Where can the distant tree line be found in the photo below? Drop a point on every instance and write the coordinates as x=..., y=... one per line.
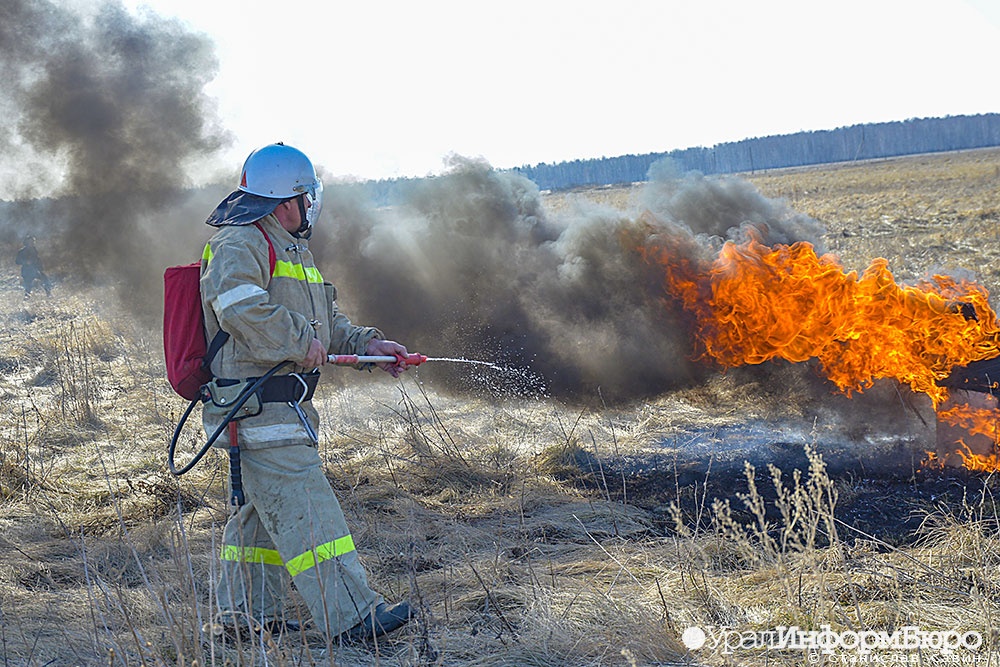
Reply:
x=845, y=144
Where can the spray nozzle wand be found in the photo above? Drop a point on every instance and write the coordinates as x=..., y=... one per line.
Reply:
x=351, y=359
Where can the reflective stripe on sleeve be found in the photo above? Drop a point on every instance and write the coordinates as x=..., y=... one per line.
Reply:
x=237, y=294
x=310, y=559
x=207, y=253
x=283, y=269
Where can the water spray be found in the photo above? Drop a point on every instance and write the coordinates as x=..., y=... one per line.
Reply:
x=507, y=377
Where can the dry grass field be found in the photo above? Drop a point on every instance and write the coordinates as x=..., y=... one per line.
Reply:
x=527, y=531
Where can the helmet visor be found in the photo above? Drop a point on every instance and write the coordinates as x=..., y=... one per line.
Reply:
x=314, y=193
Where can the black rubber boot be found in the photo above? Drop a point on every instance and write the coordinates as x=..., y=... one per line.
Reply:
x=383, y=620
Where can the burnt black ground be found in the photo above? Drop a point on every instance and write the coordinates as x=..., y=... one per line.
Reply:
x=874, y=500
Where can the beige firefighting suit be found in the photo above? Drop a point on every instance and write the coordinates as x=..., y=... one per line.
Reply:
x=291, y=523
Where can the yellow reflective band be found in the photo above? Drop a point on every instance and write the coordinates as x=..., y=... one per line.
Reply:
x=323, y=552
x=250, y=555
x=283, y=269
x=206, y=254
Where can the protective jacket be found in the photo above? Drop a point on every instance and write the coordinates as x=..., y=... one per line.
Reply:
x=271, y=317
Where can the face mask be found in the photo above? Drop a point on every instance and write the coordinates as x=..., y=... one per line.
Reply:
x=316, y=203
x=310, y=215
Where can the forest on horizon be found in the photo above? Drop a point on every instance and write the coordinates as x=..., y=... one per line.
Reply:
x=845, y=144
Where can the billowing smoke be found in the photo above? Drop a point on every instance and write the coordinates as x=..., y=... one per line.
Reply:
x=472, y=265
x=114, y=104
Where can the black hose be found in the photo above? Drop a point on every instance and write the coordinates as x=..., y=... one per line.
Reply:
x=243, y=398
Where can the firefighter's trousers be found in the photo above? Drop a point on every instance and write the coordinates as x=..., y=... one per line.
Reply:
x=291, y=526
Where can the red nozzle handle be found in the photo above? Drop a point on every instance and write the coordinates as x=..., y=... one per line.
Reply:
x=412, y=359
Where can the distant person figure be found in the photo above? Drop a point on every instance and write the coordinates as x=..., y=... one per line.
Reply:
x=31, y=268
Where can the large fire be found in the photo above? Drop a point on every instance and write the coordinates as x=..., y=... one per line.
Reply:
x=754, y=303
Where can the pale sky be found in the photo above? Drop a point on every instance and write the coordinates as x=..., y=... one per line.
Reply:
x=391, y=88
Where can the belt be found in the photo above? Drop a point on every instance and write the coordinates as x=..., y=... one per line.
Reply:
x=281, y=388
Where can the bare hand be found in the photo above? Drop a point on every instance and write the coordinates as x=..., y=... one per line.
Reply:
x=378, y=347
x=316, y=356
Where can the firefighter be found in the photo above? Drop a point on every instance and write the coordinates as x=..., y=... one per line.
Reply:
x=31, y=268
x=290, y=525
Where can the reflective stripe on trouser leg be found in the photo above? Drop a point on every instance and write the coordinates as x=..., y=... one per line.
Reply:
x=300, y=512
x=253, y=578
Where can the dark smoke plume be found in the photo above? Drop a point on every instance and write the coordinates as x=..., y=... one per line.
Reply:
x=473, y=266
x=116, y=104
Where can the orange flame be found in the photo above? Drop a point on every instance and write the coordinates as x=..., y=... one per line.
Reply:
x=977, y=421
x=988, y=462
x=982, y=452
x=754, y=303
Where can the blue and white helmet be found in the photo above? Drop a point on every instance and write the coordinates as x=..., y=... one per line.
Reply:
x=271, y=175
